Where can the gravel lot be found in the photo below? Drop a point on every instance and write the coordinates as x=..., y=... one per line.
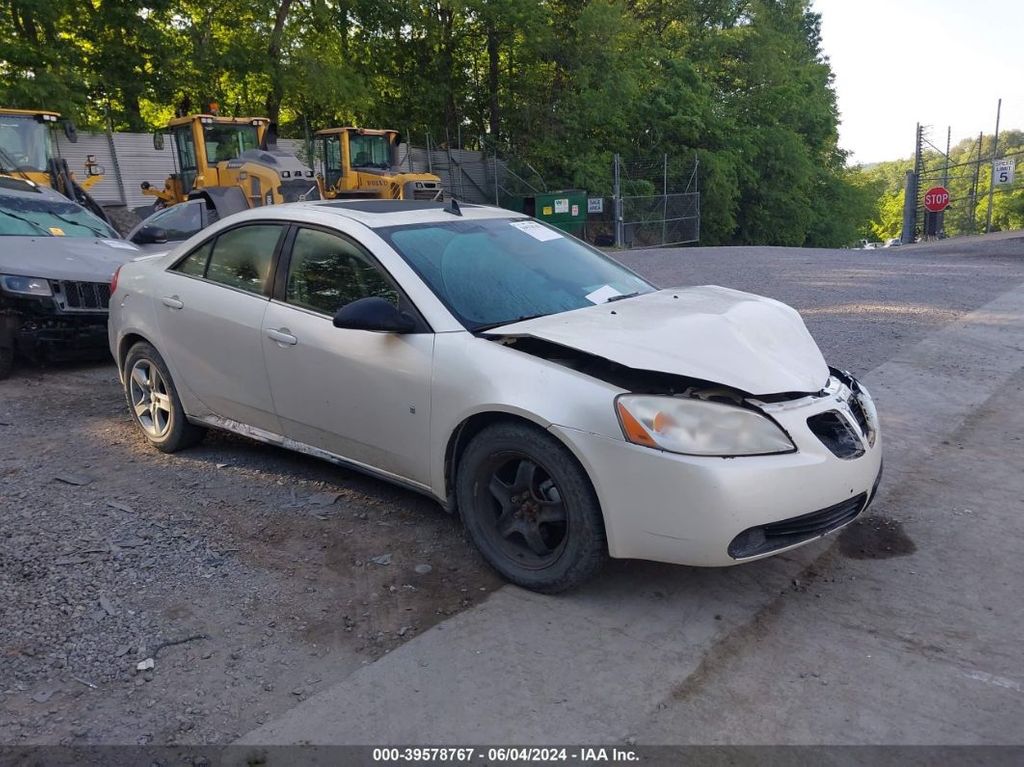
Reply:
x=253, y=577
x=262, y=560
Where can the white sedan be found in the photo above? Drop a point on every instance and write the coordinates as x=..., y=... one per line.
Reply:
x=564, y=407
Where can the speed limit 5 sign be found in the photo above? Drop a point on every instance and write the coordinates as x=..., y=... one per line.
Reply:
x=1003, y=171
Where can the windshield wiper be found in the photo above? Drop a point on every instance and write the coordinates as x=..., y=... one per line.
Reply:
x=29, y=222
x=623, y=296
x=71, y=221
x=493, y=325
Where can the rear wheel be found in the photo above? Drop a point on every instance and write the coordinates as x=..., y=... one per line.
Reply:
x=153, y=401
x=530, y=508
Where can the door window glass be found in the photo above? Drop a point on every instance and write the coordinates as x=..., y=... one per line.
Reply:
x=180, y=221
x=332, y=160
x=242, y=257
x=195, y=262
x=186, y=156
x=328, y=271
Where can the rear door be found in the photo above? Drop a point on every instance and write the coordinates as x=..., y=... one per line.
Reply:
x=361, y=395
x=210, y=309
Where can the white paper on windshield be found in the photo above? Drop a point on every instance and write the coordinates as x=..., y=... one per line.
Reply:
x=602, y=294
x=120, y=244
x=536, y=231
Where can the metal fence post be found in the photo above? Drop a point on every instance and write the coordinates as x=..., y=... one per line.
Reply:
x=992, y=170
x=617, y=202
x=117, y=167
x=664, y=200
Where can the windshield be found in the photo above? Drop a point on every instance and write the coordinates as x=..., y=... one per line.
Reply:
x=496, y=271
x=23, y=143
x=21, y=217
x=369, y=151
x=226, y=142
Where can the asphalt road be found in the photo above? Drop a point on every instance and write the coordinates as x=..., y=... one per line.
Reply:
x=903, y=629
x=861, y=306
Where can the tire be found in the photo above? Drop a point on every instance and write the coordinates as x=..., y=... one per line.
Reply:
x=153, y=401
x=122, y=219
x=541, y=527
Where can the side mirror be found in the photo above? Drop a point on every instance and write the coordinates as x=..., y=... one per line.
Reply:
x=150, y=235
x=374, y=313
x=70, y=131
x=158, y=141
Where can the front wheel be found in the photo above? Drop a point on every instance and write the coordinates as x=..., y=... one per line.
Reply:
x=530, y=508
x=153, y=401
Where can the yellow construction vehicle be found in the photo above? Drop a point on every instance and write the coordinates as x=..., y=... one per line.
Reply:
x=232, y=162
x=27, y=151
x=360, y=162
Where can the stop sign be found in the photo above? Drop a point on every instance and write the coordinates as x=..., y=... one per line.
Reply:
x=936, y=199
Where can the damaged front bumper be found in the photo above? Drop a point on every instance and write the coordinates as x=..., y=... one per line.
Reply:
x=705, y=511
x=37, y=329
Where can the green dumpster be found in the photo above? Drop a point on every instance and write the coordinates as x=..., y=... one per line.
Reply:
x=566, y=209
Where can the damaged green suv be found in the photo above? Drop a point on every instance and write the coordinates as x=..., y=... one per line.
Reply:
x=56, y=263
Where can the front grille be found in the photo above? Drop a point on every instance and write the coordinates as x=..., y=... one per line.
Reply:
x=837, y=434
x=778, y=535
x=74, y=296
x=423, y=190
x=300, y=190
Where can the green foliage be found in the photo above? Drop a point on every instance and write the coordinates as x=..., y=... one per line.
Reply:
x=741, y=86
x=967, y=181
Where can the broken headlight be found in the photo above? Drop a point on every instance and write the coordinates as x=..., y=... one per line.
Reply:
x=697, y=427
x=24, y=286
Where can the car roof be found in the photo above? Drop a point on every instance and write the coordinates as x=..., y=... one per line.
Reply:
x=376, y=214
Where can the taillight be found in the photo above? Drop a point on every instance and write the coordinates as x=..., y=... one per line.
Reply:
x=113, y=281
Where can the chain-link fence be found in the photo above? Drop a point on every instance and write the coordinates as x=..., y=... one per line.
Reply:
x=656, y=202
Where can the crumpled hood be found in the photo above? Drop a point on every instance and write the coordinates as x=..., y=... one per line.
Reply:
x=748, y=342
x=85, y=259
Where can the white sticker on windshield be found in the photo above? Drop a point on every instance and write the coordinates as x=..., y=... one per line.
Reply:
x=536, y=231
x=120, y=244
x=602, y=294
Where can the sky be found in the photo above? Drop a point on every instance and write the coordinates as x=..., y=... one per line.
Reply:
x=938, y=62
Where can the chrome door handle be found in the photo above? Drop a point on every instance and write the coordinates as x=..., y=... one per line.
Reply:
x=172, y=302
x=282, y=336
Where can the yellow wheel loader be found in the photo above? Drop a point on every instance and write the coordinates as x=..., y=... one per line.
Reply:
x=231, y=162
x=27, y=151
x=360, y=162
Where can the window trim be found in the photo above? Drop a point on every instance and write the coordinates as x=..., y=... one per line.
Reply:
x=284, y=261
x=268, y=284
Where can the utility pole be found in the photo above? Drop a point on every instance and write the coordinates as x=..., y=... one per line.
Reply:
x=945, y=179
x=910, y=192
x=945, y=171
x=991, y=170
x=974, y=188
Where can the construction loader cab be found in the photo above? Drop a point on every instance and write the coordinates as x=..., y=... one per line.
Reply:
x=28, y=152
x=213, y=154
x=360, y=162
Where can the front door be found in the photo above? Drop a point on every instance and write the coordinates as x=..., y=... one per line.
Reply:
x=332, y=161
x=361, y=395
x=186, y=145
